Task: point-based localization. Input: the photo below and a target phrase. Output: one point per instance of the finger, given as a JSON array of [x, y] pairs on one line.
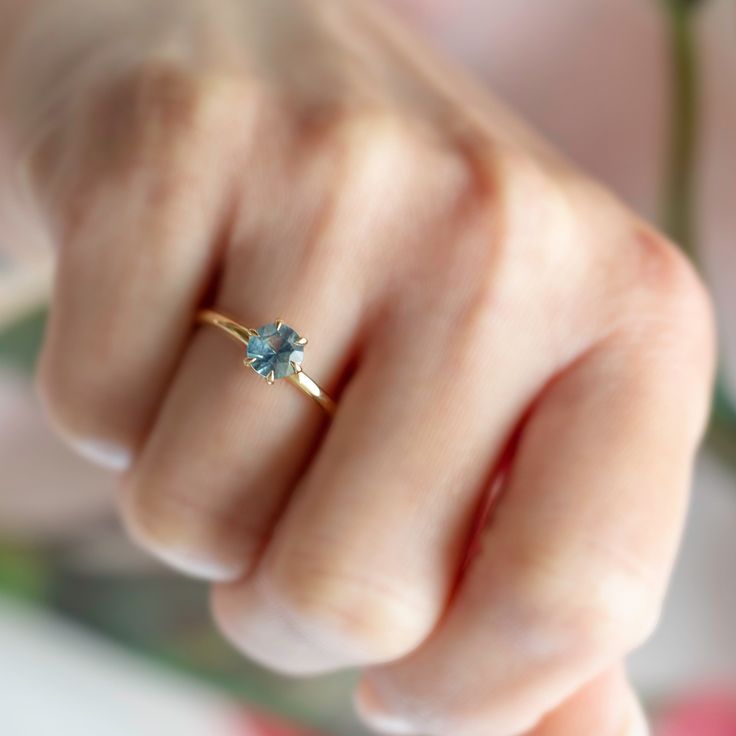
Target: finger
[[571, 571], [606, 706], [144, 194], [362, 563], [227, 449]]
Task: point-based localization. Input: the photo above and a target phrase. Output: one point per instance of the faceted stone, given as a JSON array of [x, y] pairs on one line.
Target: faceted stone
[[273, 349]]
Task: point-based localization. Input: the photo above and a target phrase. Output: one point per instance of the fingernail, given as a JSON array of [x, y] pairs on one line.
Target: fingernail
[[373, 711], [107, 454]]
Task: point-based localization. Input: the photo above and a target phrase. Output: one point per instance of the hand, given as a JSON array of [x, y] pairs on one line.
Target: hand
[[488, 317]]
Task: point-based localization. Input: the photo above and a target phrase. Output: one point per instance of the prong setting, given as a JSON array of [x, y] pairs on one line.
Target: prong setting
[[271, 351], [275, 351]]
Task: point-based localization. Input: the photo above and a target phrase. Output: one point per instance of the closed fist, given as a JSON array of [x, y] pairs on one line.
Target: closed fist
[[521, 366]]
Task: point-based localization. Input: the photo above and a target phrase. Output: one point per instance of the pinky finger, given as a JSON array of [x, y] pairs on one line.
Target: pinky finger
[[606, 706]]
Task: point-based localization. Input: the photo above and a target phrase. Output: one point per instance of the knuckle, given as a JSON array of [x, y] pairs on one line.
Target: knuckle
[[161, 115], [519, 233], [671, 281], [594, 611], [368, 620], [188, 535], [670, 323], [412, 164], [162, 99], [522, 178], [504, 234], [375, 131], [379, 150], [163, 103], [617, 611], [150, 127], [149, 528]]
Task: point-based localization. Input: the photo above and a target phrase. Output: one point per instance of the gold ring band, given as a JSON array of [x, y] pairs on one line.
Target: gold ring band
[[273, 351]]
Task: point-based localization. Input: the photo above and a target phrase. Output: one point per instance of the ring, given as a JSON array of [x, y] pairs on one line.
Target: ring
[[273, 351]]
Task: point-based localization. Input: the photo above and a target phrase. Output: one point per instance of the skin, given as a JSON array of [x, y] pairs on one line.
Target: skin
[[494, 324]]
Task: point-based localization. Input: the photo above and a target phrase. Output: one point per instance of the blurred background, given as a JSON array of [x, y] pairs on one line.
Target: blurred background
[[96, 639]]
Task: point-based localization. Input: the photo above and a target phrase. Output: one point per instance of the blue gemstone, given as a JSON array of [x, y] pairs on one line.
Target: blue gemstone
[[275, 349]]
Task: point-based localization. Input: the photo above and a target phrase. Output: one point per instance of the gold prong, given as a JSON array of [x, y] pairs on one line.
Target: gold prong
[[251, 333], [302, 341], [249, 362], [279, 324], [270, 378], [297, 368]]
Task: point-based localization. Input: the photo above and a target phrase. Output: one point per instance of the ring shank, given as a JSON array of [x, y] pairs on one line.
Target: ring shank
[[242, 334], [229, 326], [312, 389]]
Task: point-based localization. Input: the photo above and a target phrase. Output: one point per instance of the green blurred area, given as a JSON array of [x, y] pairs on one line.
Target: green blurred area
[[23, 572], [21, 342]]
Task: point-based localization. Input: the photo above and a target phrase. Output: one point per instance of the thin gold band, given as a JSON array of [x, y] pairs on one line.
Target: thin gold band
[[243, 334]]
